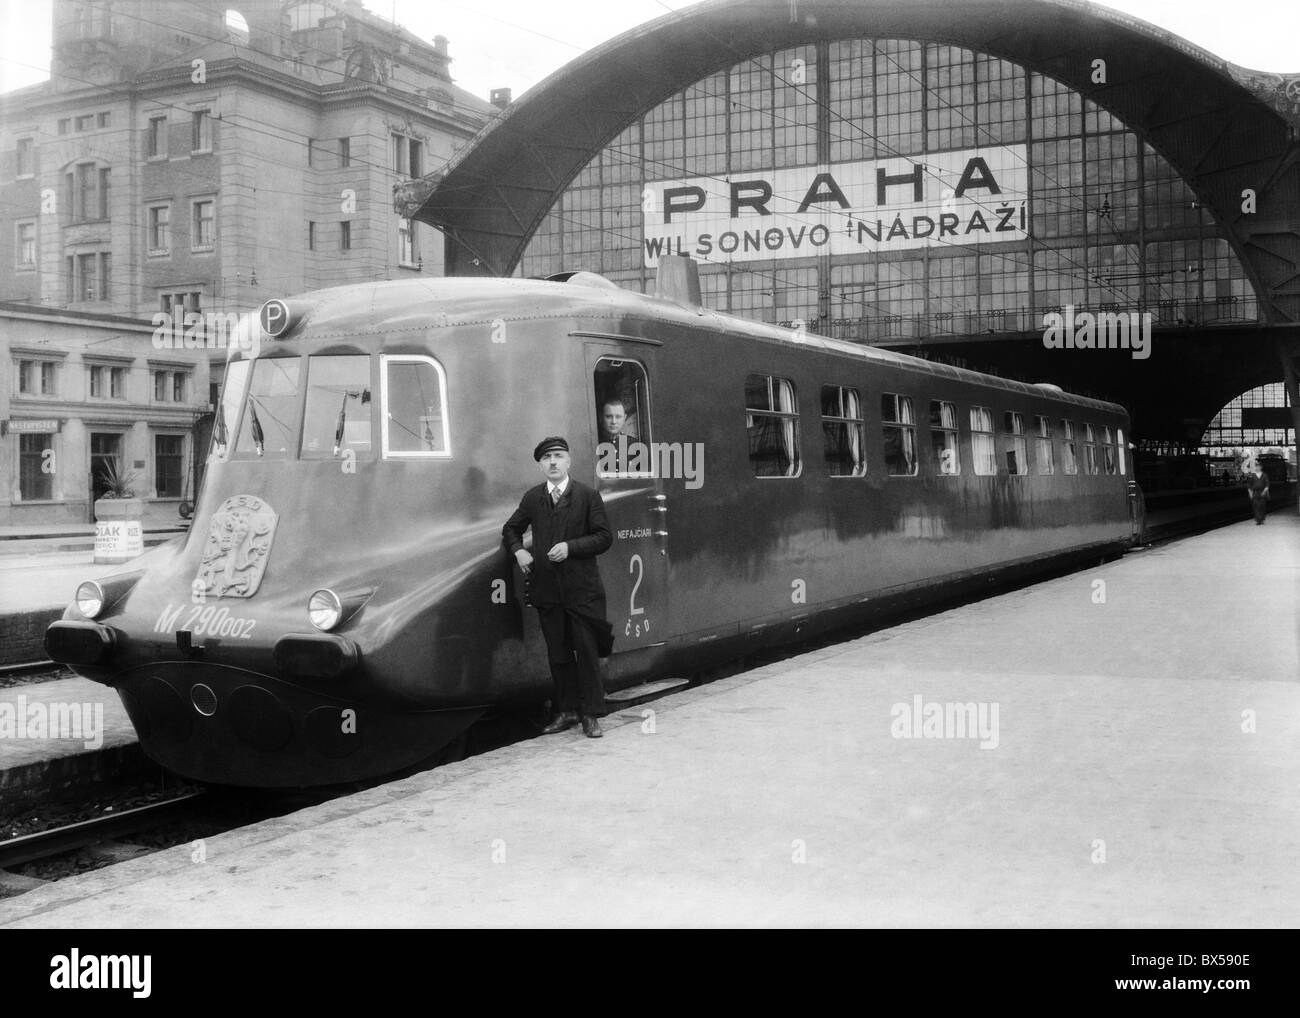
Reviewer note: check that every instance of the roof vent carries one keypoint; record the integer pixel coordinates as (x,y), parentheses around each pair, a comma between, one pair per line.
(1050,387)
(583,278)
(679,280)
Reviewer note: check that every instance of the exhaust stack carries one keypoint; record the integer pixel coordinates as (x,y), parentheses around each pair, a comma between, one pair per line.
(679,280)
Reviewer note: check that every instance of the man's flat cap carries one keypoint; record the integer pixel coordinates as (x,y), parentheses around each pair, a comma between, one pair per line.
(549,445)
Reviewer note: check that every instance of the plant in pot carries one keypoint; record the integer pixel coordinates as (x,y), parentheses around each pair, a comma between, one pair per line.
(118,501)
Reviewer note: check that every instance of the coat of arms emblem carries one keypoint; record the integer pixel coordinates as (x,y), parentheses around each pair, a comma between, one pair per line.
(237,549)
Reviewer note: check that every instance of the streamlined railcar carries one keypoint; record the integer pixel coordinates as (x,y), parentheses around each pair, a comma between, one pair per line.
(342,606)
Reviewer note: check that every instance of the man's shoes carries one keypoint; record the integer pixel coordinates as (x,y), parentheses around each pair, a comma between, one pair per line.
(591,727)
(561,721)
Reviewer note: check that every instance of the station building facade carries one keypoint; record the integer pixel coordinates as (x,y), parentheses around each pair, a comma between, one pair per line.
(944,179)
(191,161)
(1097,218)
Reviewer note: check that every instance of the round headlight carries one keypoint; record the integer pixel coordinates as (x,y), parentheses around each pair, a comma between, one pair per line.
(324,609)
(90,599)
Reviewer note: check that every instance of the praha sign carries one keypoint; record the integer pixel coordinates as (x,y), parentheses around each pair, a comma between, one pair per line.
(977,196)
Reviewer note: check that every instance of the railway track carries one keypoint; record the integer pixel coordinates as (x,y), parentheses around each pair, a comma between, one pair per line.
(57,841)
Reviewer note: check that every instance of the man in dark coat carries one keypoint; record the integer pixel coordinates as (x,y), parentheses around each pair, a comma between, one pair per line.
(1257,489)
(569,530)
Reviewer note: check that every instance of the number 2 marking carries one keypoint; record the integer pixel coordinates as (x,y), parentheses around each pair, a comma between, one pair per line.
(640,571)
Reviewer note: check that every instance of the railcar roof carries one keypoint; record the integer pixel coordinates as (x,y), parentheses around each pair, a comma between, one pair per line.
(416,304)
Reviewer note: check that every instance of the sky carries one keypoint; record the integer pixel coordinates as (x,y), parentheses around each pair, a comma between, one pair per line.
(520,43)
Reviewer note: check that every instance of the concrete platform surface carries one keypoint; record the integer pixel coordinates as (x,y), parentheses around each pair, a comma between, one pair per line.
(1142,725)
(57,734)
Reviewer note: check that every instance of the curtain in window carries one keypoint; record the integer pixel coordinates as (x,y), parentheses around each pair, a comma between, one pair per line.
(853,410)
(785,404)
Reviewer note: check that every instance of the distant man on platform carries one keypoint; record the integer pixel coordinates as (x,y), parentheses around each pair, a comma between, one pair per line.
(1257,489)
(569,530)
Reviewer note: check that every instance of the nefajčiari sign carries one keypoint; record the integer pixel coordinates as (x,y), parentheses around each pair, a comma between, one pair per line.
(976,196)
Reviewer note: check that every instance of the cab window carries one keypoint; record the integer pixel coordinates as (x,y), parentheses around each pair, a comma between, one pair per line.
(269,426)
(337,416)
(413,407)
(621,394)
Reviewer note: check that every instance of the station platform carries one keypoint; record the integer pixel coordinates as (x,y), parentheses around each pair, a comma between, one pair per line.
(65,734)
(1136,767)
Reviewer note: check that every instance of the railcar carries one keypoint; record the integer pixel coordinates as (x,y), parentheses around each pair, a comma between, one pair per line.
(342,605)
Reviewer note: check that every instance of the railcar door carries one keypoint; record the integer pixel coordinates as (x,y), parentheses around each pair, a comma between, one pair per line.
(628,475)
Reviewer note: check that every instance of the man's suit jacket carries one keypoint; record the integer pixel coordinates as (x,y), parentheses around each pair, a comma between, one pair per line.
(580,520)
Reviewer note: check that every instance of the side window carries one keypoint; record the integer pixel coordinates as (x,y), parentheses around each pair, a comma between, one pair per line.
(1090,449)
(1043,446)
(898,428)
(1108,449)
(772,425)
(232,398)
(1017,456)
(621,393)
(981,440)
(413,407)
(1069,454)
(842,431)
(337,417)
(943,438)
(1119,449)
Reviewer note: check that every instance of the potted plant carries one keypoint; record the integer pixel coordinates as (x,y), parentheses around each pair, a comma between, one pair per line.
(119,534)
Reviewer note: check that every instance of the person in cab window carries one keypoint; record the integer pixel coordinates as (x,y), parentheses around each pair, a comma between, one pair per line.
(615,421)
(570,529)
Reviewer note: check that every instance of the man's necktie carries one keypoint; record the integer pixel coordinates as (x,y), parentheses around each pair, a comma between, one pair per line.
(555,496)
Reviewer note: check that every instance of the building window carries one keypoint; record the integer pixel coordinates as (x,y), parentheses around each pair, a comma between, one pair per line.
(898,427)
(156,138)
(84,122)
(1069,456)
(64,124)
(311,152)
(203,228)
(772,425)
(345,236)
(311,236)
(201,131)
(406,252)
(408,156)
(1043,446)
(103,194)
(25,253)
(35,467)
(26,158)
(180,304)
(103,120)
(105,275)
(168,465)
(160,229)
(842,431)
(169,386)
(345,152)
(107,381)
(87,285)
(36,377)
(1017,454)
(943,438)
(981,441)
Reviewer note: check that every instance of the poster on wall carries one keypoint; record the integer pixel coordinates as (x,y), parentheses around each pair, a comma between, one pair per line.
(974,196)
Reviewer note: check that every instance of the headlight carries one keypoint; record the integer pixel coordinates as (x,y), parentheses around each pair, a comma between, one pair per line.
(324,609)
(90,599)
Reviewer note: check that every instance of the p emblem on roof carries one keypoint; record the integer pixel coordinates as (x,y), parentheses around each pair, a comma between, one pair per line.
(275,317)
